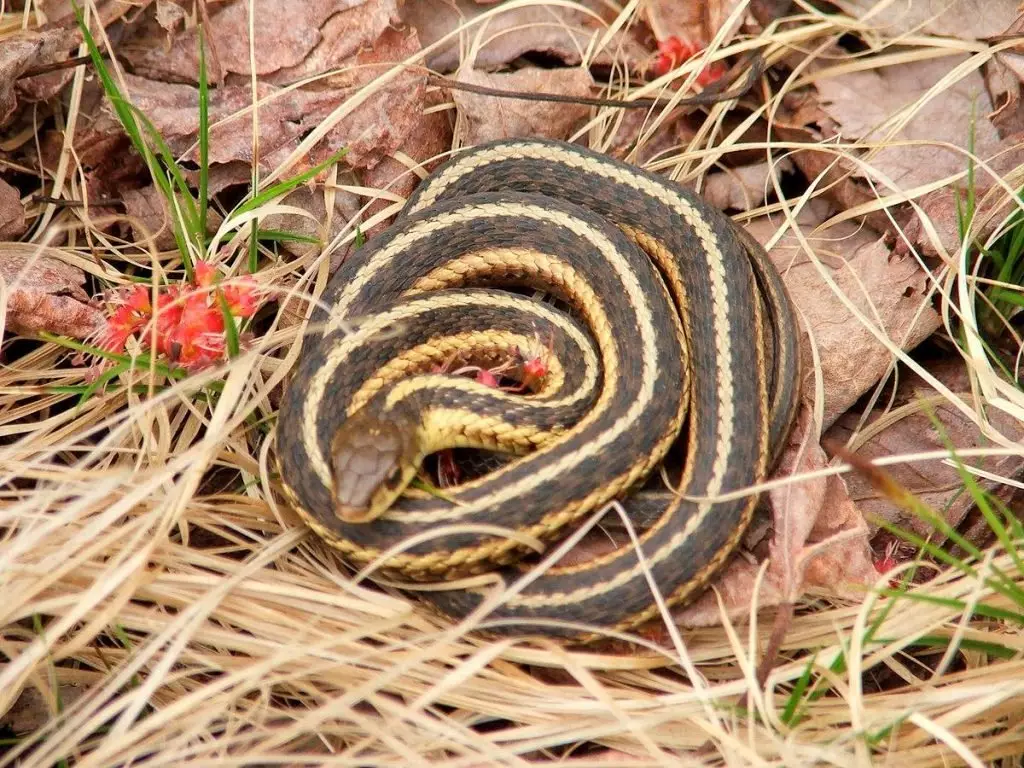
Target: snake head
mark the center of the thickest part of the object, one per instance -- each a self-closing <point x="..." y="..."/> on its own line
<point x="373" y="460"/>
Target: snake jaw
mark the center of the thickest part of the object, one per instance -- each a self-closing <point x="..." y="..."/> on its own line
<point x="373" y="460"/>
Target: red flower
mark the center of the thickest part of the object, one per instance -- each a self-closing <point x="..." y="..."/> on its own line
<point x="672" y="52"/>
<point x="188" y="321"/>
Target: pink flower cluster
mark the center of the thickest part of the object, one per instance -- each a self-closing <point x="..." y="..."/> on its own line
<point x="188" y="318"/>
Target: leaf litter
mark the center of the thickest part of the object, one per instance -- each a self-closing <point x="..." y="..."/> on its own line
<point x="143" y="523"/>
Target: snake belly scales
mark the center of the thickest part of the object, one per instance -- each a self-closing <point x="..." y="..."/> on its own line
<point x="678" y="330"/>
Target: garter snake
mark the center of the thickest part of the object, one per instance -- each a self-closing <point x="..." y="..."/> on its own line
<point x="678" y="332"/>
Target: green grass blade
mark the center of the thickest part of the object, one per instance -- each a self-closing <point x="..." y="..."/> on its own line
<point x="129" y="115"/>
<point x="282" y="236"/>
<point x="117" y="100"/>
<point x="102" y="380"/>
<point x="142" y="361"/>
<point x="230" y="329"/>
<point x="276" y="190"/>
<point x="254" y="247"/>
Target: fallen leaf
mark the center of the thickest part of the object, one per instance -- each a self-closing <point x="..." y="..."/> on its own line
<point x="863" y="104"/>
<point x="20" y="51"/>
<point x="149" y="216"/>
<point x="487" y="118"/>
<point x="694" y="21"/>
<point x="171" y="16"/>
<point x="425" y="147"/>
<point x="633" y="140"/>
<point x="346" y="206"/>
<point x="346" y="35"/>
<point x="1003" y="81"/>
<point x="992" y="205"/>
<point x="44" y="293"/>
<point x="562" y="33"/>
<point x="742" y="188"/>
<point x="61" y="13"/>
<point x="32" y="709"/>
<point x="378" y="126"/>
<point x="935" y="483"/>
<point x="961" y="19"/>
<point x="835" y="180"/>
<point x="375" y="128"/>
<point x="886" y="288"/>
<point x="12" y="212"/>
<point x="318" y="36"/>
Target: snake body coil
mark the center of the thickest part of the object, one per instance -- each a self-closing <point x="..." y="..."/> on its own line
<point x="677" y="324"/>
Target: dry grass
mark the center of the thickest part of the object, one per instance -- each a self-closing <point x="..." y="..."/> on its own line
<point x="167" y="609"/>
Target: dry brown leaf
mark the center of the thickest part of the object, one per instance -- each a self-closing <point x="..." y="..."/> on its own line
<point x="380" y="125"/>
<point x="425" y="146"/>
<point x="806" y="124"/>
<point x="961" y="19"/>
<point x="61" y="13"/>
<point x="559" y="32"/>
<point x="935" y="483"/>
<point x="742" y="188"/>
<point x="345" y="35"/>
<point x="487" y="118"/>
<point x="170" y="15"/>
<point x="149" y="216"/>
<point x="24" y="49"/>
<point x="632" y="127"/>
<point x="1003" y="80"/>
<point x="692" y="21"/>
<point x="33" y="710"/>
<point x="45" y="294"/>
<point x="318" y="36"/>
<point x="376" y="128"/>
<point x="887" y="289"/>
<point x="862" y="104"/>
<point x="12" y="212"/>
<point x="993" y="204"/>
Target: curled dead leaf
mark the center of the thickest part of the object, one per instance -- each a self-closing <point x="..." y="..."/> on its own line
<point x="150" y="217"/>
<point x="863" y="104"/>
<point x="694" y="21"/>
<point x="509" y="33"/>
<point x="887" y="290"/>
<point x="487" y="118"/>
<point x="22" y="50"/>
<point x="742" y="188"/>
<point x="12" y="212"/>
<point x="940" y="208"/>
<point x="962" y="19"/>
<point x="318" y="36"/>
<point x="922" y="411"/>
<point x="45" y="294"/>
<point x="425" y="147"/>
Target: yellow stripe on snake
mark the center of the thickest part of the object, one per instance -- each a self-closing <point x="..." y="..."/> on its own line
<point x="671" y="327"/>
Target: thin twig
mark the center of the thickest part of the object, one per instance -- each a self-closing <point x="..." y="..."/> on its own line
<point x="754" y="65"/>
<point x="99" y="202"/>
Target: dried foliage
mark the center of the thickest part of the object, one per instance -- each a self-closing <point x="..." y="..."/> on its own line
<point x="163" y="606"/>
